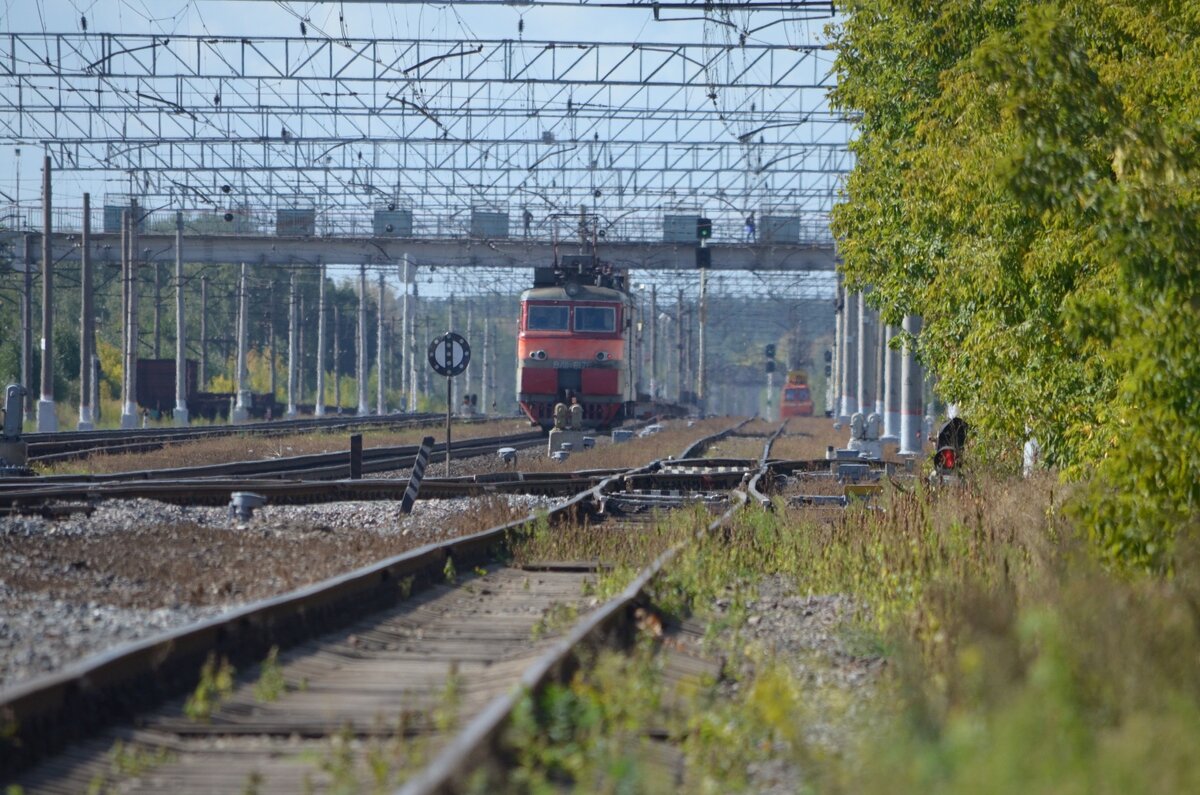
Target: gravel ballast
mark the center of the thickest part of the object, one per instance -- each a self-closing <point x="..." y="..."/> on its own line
<point x="74" y="587"/>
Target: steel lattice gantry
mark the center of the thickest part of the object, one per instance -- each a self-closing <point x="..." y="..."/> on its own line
<point x="618" y="129"/>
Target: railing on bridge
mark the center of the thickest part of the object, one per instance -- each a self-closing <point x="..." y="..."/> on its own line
<point x="773" y="226"/>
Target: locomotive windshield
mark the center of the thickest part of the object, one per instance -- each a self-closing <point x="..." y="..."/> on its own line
<point x="595" y="318"/>
<point x="541" y="317"/>
<point x="796" y="393"/>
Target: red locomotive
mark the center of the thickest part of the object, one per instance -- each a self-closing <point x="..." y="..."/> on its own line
<point x="797" y="401"/>
<point x="573" y="341"/>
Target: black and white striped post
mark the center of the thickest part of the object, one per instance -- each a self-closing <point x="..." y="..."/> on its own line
<point x="418" y="473"/>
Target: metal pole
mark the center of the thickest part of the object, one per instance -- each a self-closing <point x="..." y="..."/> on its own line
<point x="849" y="356"/>
<point x="47" y="420"/>
<point x="181" y="409"/>
<point x="27" y="328"/>
<point x="380" y="369"/>
<point x="292" y="363"/>
<point x="203" y="374"/>
<point x="911" y="383"/>
<point x="241" y="409"/>
<point x="87" y="322"/>
<point x="363" y="408"/>
<point x="319" y="407"/>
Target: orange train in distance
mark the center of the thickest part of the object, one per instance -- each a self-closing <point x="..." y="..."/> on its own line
<point x="796" y="401"/>
<point x="573" y="340"/>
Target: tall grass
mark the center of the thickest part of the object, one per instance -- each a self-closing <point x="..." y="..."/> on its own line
<point x="1012" y="660"/>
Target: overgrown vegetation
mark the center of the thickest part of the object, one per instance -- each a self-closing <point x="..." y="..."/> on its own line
<point x="214" y="688"/>
<point x="1026" y="180"/>
<point x="1012" y="662"/>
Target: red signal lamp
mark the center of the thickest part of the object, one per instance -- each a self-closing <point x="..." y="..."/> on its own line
<point x="945" y="459"/>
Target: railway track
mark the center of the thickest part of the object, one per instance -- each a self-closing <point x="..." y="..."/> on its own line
<point x="319" y="466"/>
<point x="411" y="656"/>
<point x="51" y="447"/>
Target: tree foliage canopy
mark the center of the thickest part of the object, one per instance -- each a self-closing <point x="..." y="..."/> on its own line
<point x="1027" y="182"/>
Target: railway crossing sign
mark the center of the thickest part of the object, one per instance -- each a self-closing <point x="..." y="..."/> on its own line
<point x="449" y="354"/>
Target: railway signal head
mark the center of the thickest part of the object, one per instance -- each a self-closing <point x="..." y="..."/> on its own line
<point x="704" y="228"/>
<point x="770" y="365"/>
<point x="769" y="350"/>
<point x="945" y="460"/>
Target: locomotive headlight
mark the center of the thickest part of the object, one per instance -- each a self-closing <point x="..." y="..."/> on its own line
<point x="601" y="356"/>
<point x="539" y="355"/>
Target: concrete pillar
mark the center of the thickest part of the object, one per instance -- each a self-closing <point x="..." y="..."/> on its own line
<point x="337" y="361"/>
<point x="241" y="409"/>
<point x="319" y="407"/>
<point x="410" y="336"/>
<point x="271" y="346"/>
<point x="380" y="359"/>
<point x="866" y="356"/>
<point x="912" y="381"/>
<point x="362" y="372"/>
<point x="835" y="378"/>
<point x="129" y="412"/>
<point x="453" y="390"/>
<point x="485" y="391"/>
<point x="293" y="360"/>
<point x="405" y="392"/>
<point x="300" y="385"/>
<point x="891" y="389"/>
<point x="653" y="342"/>
<point x="880" y="361"/>
<point x="203" y="374"/>
<point x="27" y="328"/>
<point x="849" y="356"/>
<point x="47" y="420"/>
<point x="87" y="322"/>
<point x="157" y="310"/>
<point x="681" y="352"/>
<point x="701" y="370"/>
<point x="181" y="409"/>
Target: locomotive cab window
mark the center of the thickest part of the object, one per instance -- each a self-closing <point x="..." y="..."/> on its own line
<point x="546" y="318"/>
<point x="796" y="393"/>
<point x="595" y="318"/>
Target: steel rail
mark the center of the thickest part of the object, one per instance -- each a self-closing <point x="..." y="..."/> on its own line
<point x="50" y="447"/>
<point x="217" y="491"/>
<point x="43" y="715"/>
<point x="477" y="744"/>
<point x="316" y="466"/>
